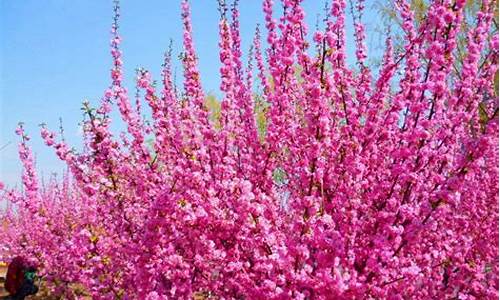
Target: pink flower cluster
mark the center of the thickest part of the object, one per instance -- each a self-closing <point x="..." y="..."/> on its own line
<point x="361" y="186"/>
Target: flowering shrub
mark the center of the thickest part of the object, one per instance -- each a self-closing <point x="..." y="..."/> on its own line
<point x="355" y="185"/>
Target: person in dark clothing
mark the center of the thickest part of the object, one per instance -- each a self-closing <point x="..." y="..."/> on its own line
<point x="20" y="281"/>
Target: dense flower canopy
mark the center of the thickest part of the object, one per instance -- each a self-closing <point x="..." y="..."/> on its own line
<point x="362" y="183"/>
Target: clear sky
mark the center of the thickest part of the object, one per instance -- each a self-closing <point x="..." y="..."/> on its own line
<point x="55" y="53"/>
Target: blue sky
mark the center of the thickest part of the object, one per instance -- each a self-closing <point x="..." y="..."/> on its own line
<point x="54" y="54"/>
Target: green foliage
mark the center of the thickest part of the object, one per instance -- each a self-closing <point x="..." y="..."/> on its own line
<point x="261" y="108"/>
<point x="214" y="108"/>
<point x="279" y="176"/>
<point x="496" y="84"/>
<point x="420" y="7"/>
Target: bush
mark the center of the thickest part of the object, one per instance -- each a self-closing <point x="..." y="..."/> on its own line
<point x="328" y="182"/>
